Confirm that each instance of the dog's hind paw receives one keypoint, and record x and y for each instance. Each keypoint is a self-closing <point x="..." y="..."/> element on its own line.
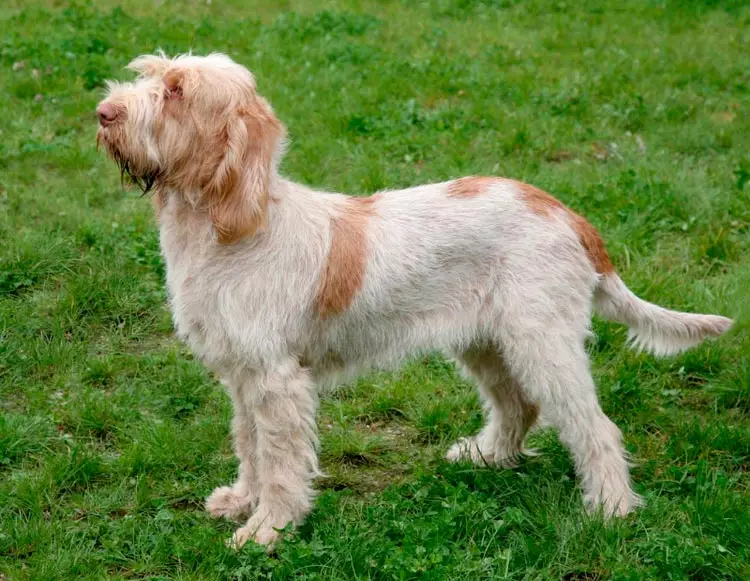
<point x="474" y="450"/>
<point x="225" y="501"/>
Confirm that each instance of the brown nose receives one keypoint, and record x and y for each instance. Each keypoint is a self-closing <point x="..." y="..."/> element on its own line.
<point x="107" y="114"/>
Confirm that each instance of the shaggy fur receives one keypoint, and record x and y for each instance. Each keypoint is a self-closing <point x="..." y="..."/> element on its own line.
<point x="280" y="289"/>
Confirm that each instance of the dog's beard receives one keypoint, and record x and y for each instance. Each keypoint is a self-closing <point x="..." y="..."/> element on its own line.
<point x="144" y="180"/>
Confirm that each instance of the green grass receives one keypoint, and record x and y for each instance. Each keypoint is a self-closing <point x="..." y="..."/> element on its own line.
<point x="636" y="113"/>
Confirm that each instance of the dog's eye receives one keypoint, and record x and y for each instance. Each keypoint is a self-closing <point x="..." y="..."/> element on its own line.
<point x="173" y="93"/>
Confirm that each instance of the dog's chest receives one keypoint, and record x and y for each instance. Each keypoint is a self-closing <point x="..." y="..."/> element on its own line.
<point x="195" y="286"/>
<point x="226" y="303"/>
<point x="193" y="299"/>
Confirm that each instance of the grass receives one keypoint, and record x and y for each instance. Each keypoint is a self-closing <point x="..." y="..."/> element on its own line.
<point x="636" y="113"/>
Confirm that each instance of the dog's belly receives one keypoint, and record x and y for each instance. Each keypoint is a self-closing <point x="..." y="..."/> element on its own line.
<point x="348" y="348"/>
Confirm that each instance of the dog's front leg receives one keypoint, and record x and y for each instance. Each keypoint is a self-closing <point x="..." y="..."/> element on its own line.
<point x="283" y="405"/>
<point x="239" y="498"/>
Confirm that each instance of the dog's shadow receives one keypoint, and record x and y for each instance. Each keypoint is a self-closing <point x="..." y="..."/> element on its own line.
<point x="540" y="488"/>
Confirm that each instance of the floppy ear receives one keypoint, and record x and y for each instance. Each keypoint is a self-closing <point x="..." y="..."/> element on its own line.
<point x="238" y="193"/>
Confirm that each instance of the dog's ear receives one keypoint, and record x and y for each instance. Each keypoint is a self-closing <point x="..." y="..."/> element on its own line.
<point x="238" y="193"/>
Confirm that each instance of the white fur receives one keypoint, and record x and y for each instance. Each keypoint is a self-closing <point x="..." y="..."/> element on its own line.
<point x="505" y="290"/>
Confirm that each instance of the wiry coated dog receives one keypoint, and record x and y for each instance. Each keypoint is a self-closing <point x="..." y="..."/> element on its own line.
<point x="279" y="288"/>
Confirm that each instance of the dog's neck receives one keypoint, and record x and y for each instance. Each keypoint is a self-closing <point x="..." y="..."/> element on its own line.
<point x="185" y="223"/>
<point x="185" y="232"/>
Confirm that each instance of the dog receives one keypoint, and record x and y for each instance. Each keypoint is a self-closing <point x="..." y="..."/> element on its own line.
<point x="280" y="289"/>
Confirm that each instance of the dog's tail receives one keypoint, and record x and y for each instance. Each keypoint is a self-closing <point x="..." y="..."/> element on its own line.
<point x="654" y="328"/>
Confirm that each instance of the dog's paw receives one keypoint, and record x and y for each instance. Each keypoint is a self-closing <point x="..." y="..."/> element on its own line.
<point x="226" y="502"/>
<point x="478" y="452"/>
<point x="614" y="503"/>
<point x="263" y="528"/>
<point x="470" y="450"/>
<point x="461" y="450"/>
<point x="266" y="536"/>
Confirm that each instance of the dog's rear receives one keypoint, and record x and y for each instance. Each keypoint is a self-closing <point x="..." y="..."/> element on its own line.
<point x="652" y="328"/>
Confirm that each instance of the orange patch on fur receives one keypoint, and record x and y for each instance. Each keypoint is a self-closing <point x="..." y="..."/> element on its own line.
<point x="344" y="271"/>
<point x="539" y="201"/>
<point x="542" y="203"/>
<point x="592" y="242"/>
<point x="470" y="186"/>
<point x="239" y="191"/>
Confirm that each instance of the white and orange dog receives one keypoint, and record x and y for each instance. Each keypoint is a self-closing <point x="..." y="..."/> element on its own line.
<point x="280" y="289"/>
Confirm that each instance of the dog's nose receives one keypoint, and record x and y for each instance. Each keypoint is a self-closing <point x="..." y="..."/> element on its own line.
<point x="107" y="113"/>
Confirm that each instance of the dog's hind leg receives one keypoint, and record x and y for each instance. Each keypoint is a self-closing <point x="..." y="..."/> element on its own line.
<point x="239" y="498"/>
<point x="553" y="370"/>
<point x="508" y="414"/>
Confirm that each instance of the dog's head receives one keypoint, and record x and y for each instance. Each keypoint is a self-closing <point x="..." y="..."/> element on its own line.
<point x="195" y="125"/>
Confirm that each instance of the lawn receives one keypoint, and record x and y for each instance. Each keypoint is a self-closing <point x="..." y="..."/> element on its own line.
<point x="636" y="113"/>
